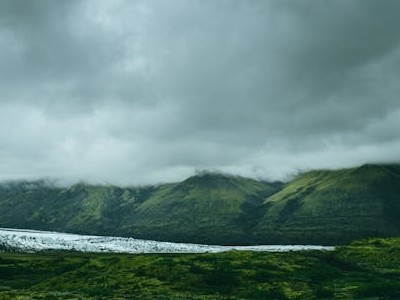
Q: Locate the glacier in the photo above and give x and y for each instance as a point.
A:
(30, 241)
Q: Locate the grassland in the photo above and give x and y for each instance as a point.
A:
(368, 269)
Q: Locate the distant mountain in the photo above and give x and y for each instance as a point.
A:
(319, 207)
(335, 206)
(204, 209)
(207, 208)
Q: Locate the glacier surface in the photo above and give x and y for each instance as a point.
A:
(24, 240)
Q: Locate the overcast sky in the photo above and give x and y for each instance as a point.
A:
(149, 91)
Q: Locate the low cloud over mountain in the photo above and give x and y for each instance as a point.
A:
(149, 91)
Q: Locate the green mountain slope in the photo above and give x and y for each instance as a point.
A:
(82, 208)
(335, 206)
(208, 208)
(318, 207)
(204, 209)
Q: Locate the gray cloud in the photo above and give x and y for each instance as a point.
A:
(149, 91)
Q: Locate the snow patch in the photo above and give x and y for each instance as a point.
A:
(24, 240)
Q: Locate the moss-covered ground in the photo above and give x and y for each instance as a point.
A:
(369, 269)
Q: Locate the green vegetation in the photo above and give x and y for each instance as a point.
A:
(208, 208)
(317, 207)
(367, 269)
(335, 207)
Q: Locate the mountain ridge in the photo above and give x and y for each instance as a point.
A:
(317, 206)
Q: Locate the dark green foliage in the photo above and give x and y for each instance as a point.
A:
(291, 205)
(368, 269)
(222, 277)
(252, 211)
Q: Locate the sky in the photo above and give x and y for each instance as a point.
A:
(151, 91)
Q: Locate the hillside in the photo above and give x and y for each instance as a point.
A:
(317, 207)
(335, 206)
(81, 208)
(204, 209)
(207, 208)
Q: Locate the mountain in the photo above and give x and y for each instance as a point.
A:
(316, 207)
(335, 206)
(207, 208)
(204, 209)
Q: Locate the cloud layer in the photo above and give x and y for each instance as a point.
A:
(149, 91)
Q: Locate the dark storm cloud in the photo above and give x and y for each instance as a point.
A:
(146, 91)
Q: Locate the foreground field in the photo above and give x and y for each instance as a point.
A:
(364, 270)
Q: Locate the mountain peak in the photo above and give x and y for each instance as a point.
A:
(378, 169)
(28, 184)
(209, 179)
